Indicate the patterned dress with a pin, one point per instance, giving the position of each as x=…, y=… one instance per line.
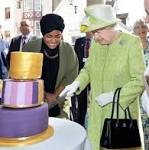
x=145, y=118
x=108, y=67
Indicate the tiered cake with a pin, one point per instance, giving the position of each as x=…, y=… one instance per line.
x=23, y=114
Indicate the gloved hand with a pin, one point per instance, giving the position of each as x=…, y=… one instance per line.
x=145, y=102
x=105, y=98
x=70, y=89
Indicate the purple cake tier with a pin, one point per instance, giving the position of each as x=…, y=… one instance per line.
x=16, y=123
x=22, y=93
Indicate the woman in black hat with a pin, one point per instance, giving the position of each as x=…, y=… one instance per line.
x=60, y=64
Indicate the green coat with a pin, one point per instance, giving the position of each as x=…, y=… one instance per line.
x=108, y=67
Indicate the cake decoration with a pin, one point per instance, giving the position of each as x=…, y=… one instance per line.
x=22, y=93
x=23, y=114
x=26, y=65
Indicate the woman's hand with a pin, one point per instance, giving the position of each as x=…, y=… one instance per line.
x=70, y=89
x=105, y=98
x=50, y=97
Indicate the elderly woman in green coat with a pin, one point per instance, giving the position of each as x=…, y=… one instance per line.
x=115, y=60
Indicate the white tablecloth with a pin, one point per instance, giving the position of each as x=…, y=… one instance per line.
x=68, y=135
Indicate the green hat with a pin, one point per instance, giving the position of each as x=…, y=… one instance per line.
x=98, y=16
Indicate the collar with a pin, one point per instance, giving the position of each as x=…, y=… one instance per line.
x=27, y=36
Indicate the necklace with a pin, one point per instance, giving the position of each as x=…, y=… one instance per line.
x=50, y=57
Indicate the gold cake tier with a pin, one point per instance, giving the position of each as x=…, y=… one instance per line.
x=25, y=65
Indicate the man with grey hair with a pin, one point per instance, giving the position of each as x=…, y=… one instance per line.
x=18, y=42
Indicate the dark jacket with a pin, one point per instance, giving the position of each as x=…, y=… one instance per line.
x=79, y=49
x=15, y=46
x=3, y=62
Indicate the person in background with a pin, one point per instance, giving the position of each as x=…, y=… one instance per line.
x=81, y=48
x=140, y=29
x=1, y=34
x=18, y=42
x=3, y=63
x=60, y=63
x=115, y=61
x=4, y=46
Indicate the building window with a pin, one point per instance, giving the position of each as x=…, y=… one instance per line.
x=37, y=5
x=18, y=4
x=37, y=28
x=32, y=5
x=28, y=5
x=7, y=13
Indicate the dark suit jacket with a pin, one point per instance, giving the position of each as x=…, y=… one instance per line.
x=3, y=63
x=15, y=46
x=79, y=49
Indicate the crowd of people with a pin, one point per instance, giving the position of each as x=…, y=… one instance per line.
x=100, y=62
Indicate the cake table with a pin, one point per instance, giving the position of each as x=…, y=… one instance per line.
x=68, y=135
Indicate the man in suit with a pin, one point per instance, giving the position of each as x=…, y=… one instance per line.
x=18, y=42
x=82, y=50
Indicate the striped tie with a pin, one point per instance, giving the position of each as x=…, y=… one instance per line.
x=23, y=39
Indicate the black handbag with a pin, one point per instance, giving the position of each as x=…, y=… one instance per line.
x=74, y=110
x=120, y=133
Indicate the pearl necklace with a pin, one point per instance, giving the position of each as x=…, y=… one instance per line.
x=50, y=57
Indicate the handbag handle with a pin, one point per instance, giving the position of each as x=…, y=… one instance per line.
x=127, y=110
x=74, y=101
x=116, y=93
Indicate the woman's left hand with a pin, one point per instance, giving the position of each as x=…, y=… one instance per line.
x=50, y=97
